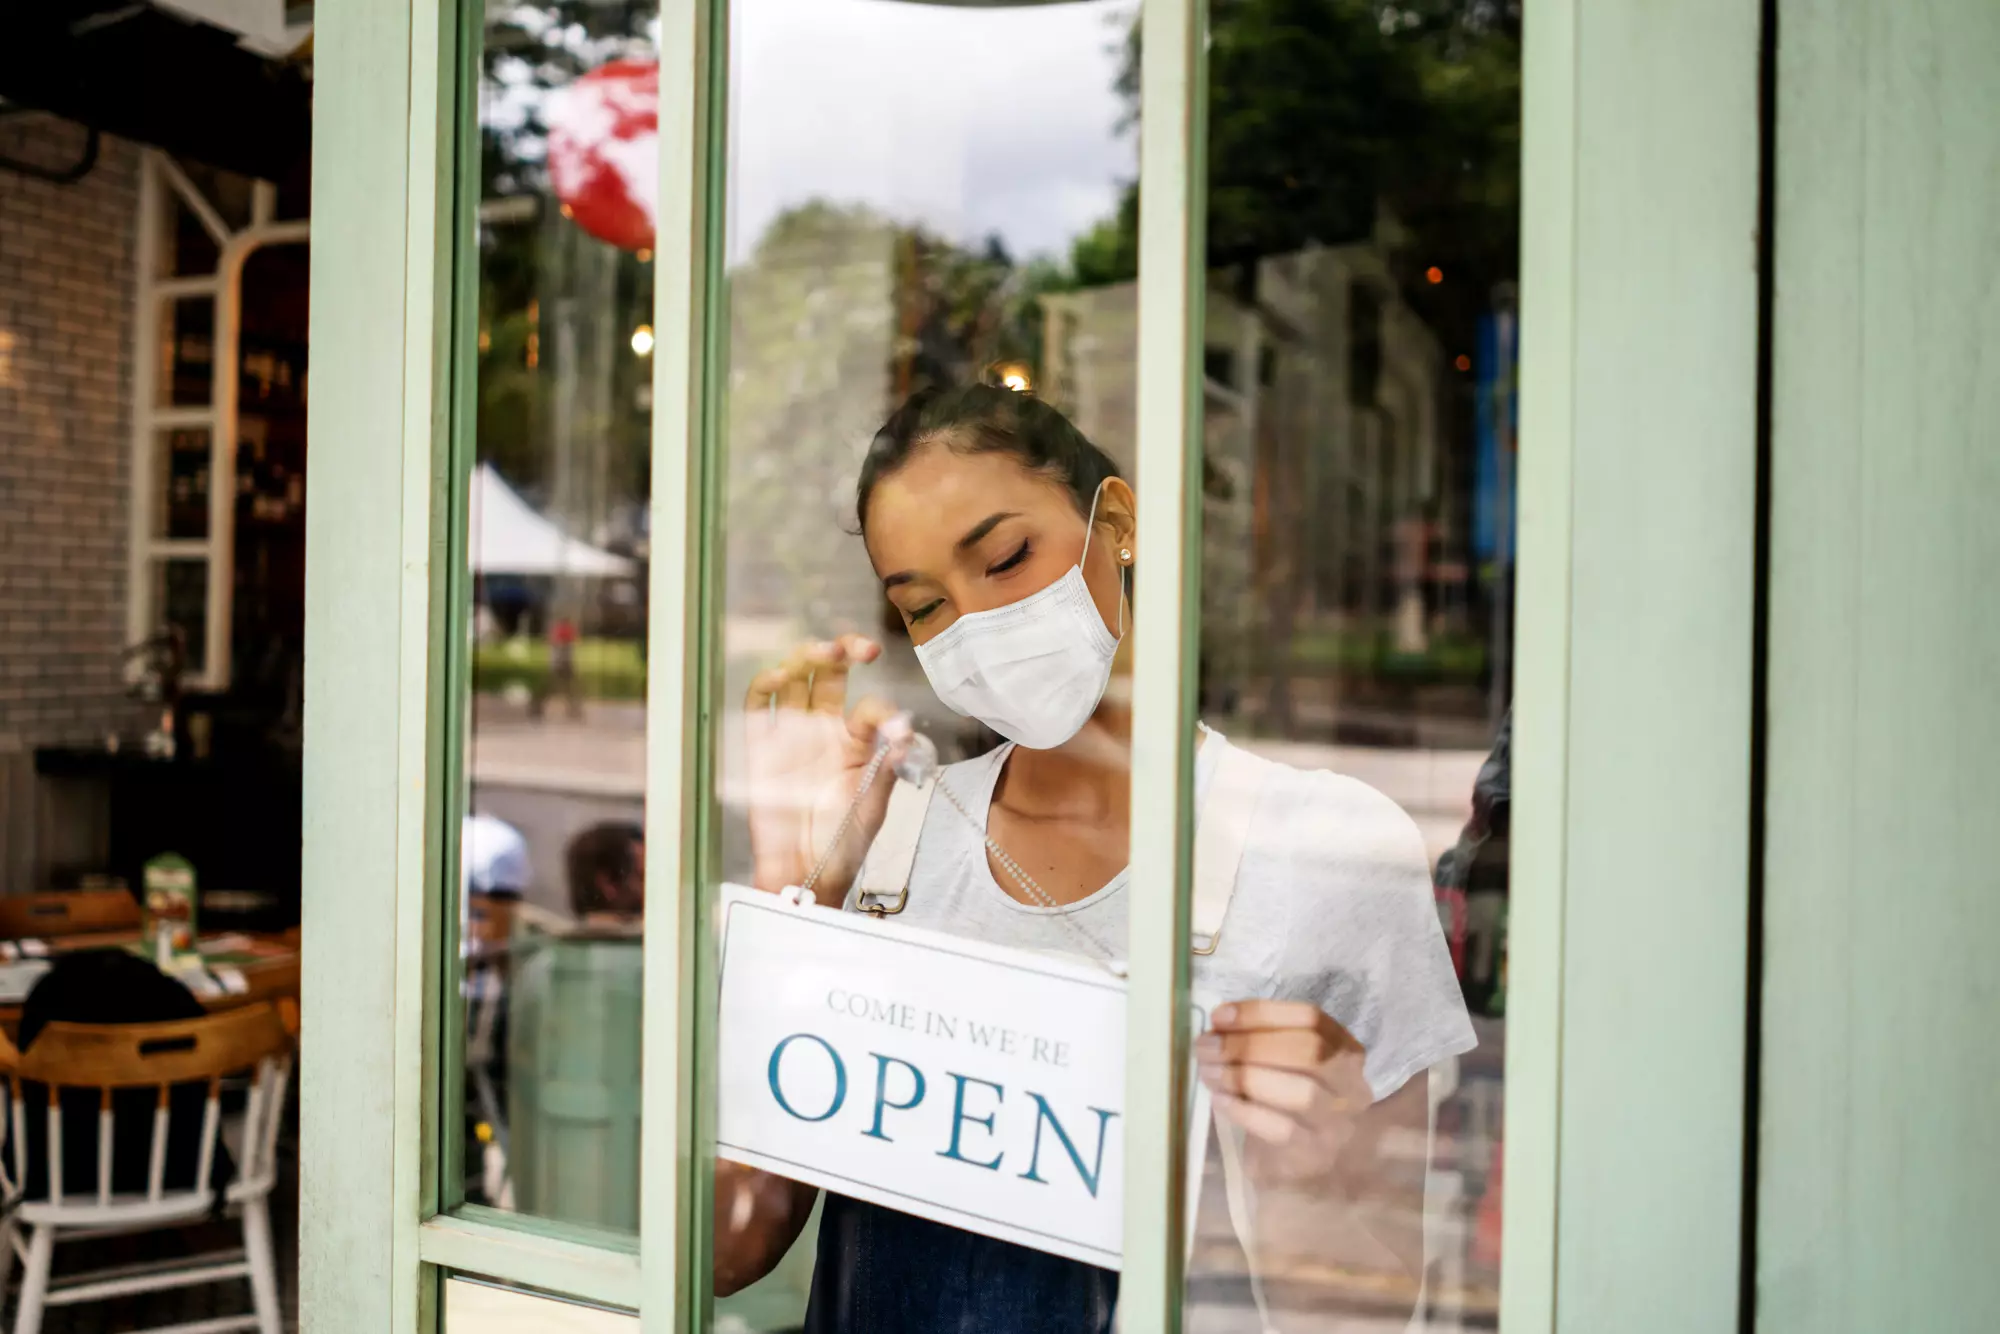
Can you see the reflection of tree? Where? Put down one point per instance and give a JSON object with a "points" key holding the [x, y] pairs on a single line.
{"points": [[837, 315], [1325, 113], [1363, 185], [560, 394], [529, 51]]}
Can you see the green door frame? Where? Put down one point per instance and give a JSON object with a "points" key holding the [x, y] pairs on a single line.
{"points": [[1631, 742]]}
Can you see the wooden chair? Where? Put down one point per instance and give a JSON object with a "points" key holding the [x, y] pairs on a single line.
{"points": [[67, 913], [163, 1057]]}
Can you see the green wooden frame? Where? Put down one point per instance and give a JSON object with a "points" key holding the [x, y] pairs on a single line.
{"points": [[384, 114], [1878, 1152], [1625, 1087], [1166, 630], [1637, 506]]}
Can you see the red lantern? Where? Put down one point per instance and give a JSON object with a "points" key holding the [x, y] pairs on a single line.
{"points": [[604, 151]]}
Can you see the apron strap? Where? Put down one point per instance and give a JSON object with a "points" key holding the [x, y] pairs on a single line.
{"points": [[883, 886]]}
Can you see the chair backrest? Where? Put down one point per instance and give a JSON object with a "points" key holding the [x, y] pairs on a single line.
{"points": [[67, 913], [111, 1058]]}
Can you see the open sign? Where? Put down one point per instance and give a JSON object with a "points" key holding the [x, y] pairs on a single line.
{"points": [[963, 1082]]}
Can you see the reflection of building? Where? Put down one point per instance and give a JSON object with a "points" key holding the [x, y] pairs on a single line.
{"points": [[1336, 475]]}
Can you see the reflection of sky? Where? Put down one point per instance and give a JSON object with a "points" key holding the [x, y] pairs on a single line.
{"points": [[972, 121]]}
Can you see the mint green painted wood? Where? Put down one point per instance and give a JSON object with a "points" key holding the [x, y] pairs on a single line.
{"points": [[1662, 524], [1549, 191], [369, 660], [573, 1080], [1166, 629], [1625, 1080], [567, 1261], [676, 1189], [1879, 1147]]}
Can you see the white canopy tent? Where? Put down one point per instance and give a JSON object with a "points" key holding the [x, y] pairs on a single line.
{"points": [[509, 537]]}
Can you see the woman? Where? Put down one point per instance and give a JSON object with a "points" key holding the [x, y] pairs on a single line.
{"points": [[1004, 539]]}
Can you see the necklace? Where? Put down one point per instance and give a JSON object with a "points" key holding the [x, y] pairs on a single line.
{"points": [[919, 767], [1042, 897]]}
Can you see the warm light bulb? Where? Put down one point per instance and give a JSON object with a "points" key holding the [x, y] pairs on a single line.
{"points": [[1434, 274], [642, 340], [1015, 381]]}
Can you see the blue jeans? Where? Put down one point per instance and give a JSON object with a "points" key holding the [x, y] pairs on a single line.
{"points": [[883, 1272]]}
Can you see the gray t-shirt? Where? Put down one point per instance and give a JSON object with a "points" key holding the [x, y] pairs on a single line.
{"points": [[1333, 905]]}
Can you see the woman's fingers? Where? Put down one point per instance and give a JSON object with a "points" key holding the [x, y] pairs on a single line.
{"points": [[867, 719], [1293, 1091], [1248, 1015], [1294, 1048], [830, 662], [813, 677], [1264, 1123], [764, 687]]}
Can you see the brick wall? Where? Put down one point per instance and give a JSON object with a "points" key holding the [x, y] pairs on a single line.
{"points": [[65, 403], [66, 286]]}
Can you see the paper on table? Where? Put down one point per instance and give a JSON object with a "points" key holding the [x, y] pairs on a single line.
{"points": [[18, 979]]}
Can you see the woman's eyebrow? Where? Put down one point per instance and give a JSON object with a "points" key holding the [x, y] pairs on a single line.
{"points": [[982, 528], [972, 538]]}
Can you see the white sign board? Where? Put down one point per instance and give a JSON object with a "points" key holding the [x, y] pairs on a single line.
{"points": [[967, 1083]]}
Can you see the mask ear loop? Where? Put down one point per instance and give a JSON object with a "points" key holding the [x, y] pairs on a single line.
{"points": [[1124, 572]]}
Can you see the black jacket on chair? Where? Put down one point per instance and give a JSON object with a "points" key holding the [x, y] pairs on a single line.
{"points": [[111, 986]]}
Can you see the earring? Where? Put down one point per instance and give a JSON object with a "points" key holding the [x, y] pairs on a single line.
{"points": [[1125, 555]]}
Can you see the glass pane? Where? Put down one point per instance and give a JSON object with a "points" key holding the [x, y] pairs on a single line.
{"points": [[558, 475], [923, 201], [479, 1305], [180, 607], [187, 353], [180, 507], [1357, 567]]}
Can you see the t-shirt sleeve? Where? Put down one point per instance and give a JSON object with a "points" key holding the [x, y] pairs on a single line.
{"points": [[1368, 948]]}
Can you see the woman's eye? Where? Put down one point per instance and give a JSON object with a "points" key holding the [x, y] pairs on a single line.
{"points": [[923, 611], [1020, 554]]}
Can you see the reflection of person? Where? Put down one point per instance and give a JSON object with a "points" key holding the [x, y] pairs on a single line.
{"points": [[493, 857], [562, 666], [1474, 871], [606, 865], [1005, 538]]}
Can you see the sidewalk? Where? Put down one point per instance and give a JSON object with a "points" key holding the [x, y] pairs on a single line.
{"points": [[603, 755]]}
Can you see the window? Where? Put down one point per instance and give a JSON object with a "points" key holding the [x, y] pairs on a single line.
{"points": [[218, 453]]}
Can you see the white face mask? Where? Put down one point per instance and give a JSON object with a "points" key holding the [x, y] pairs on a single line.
{"points": [[1034, 670]]}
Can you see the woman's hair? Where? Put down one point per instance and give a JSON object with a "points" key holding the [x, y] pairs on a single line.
{"points": [[986, 419]]}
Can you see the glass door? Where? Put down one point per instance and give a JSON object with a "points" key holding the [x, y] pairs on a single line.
{"points": [[979, 664]]}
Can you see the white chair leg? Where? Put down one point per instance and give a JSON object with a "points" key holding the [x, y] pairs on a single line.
{"points": [[35, 1280], [263, 1265]]}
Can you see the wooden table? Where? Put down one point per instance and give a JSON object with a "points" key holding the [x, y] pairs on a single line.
{"points": [[272, 976]]}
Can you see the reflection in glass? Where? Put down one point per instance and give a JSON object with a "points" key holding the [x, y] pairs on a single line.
{"points": [[181, 467], [180, 591], [934, 231], [919, 196], [1356, 596], [552, 851]]}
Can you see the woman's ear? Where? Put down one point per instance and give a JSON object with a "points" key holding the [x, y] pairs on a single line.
{"points": [[1118, 516]]}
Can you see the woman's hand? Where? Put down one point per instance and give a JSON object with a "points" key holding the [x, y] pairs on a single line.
{"points": [[1331, 1164], [1290, 1076], [806, 755]]}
